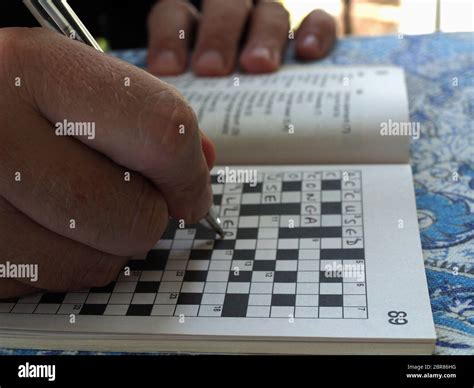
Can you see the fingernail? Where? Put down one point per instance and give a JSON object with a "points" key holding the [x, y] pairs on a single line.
{"points": [[210, 61], [164, 62], [261, 53], [310, 41]]}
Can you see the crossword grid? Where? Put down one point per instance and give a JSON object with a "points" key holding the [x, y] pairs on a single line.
{"points": [[281, 235]]}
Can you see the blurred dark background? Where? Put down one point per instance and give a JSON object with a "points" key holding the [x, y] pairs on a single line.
{"points": [[121, 22]]}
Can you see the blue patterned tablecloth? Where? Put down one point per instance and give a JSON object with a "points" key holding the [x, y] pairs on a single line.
{"points": [[440, 79]]}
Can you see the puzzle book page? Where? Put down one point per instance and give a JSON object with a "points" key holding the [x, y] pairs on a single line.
{"points": [[310, 252]]}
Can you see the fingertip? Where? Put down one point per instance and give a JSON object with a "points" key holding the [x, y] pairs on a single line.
{"points": [[209, 63], [260, 60], [165, 62], [309, 47]]}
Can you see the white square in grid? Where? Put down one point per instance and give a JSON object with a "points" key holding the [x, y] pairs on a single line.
{"points": [[125, 287], [203, 244], [217, 188], [233, 188], [219, 265], [307, 300], [331, 174], [308, 277], [221, 254], [163, 310], [282, 312], [330, 288], [182, 244], [355, 312], [268, 233], [352, 231], [245, 244], [308, 265], [251, 198], [354, 300], [260, 300], [210, 311], [24, 308], [310, 243], [262, 276], [230, 211], [271, 197], [175, 265], [47, 308], [186, 310], [238, 288], [261, 288], [6, 307], [214, 299], [166, 298], [98, 298], [242, 265], [308, 254], [288, 243], [286, 265], [67, 309], [311, 185], [311, 197], [331, 265], [163, 244], [306, 312], [248, 222], [121, 298], [169, 287], [289, 221], [173, 276], [197, 287], [331, 196], [265, 254], [310, 208], [144, 298], [292, 176], [352, 243], [310, 221], [230, 222], [184, 234], [269, 221], [331, 220], [215, 287], [331, 243], [150, 276], [307, 288], [284, 288], [116, 309], [217, 276], [258, 311], [330, 312], [178, 254], [198, 265], [75, 297], [267, 244], [291, 197]]}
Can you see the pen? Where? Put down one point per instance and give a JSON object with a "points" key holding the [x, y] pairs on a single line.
{"points": [[59, 16]]}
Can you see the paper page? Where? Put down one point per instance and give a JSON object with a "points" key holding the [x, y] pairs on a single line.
{"points": [[304, 115], [311, 253]]}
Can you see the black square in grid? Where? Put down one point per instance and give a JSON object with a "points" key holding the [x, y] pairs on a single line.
{"points": [[189, 298], [264, 265], [331, 184], [217, 199], [52, 297], [93, 309], [235, 305], [214, 179], [105, 289], [203, 233], [342, 254], [156, 259], [148, 287], [248, 188], [200, 254], [137, 265], [240, 276], [287, 254], [291, 186], [285, 276], [330, 277], [141, 310], [283, 299], [247, 233], [331, 208], [195, 276], [243, 254], [170, 230], [330, 301], [224, 244]]}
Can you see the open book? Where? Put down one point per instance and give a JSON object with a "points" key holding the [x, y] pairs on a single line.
{"points": [[322, 251]]}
